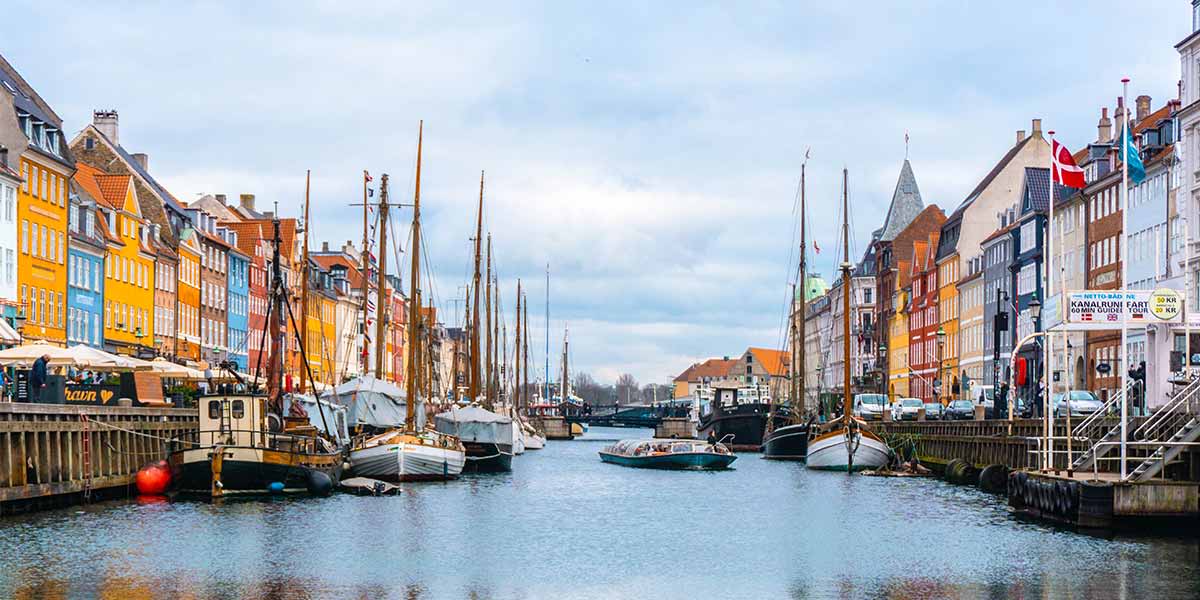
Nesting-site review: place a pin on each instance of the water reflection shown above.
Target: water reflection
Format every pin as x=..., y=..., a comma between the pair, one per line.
x=565, y=525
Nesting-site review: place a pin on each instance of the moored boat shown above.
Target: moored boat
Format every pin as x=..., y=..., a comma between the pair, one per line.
x=847, y=449
x=668, y=454
x=409, y=456
x=744, y=420
x=486, y=436
x=789, y=442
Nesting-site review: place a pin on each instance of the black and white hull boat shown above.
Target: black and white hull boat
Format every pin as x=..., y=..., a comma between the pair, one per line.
x=486, y=436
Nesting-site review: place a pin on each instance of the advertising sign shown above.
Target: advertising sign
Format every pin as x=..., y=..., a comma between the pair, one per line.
x=1102, y=310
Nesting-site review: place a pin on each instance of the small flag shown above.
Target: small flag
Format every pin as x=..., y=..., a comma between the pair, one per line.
x=367, y=176
x=816, y=247
x=1066, y=172
x=1137, y=171
x=370, y=192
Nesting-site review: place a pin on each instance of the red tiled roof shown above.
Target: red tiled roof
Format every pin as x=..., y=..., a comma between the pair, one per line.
x=115, y=188
x=774, y=361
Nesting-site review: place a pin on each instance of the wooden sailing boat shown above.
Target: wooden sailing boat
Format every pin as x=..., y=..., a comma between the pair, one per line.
x=409, y=453
x=486, y=436
x=790, y=442
x=846, y=444
x=244, y=445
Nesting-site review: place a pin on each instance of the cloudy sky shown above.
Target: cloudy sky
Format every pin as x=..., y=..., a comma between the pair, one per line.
x=649, y=152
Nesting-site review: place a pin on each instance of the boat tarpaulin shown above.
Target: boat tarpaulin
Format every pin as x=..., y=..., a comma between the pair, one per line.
x=475, y=424
x=334, y=423
x=373, y=402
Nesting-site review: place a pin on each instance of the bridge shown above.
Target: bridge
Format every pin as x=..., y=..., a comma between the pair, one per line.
x=635, y=416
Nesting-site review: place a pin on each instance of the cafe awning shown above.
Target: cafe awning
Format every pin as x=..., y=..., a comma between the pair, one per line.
x=87, y=357
x=26, y=354
x=8, y=335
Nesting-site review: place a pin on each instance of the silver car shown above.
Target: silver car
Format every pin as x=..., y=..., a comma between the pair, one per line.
x=1082, y=404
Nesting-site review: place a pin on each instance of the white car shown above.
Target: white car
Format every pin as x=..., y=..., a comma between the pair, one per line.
x=905, y=409
x=870, y=407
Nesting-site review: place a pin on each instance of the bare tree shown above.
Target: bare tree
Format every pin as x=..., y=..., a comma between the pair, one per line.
x=627, y=389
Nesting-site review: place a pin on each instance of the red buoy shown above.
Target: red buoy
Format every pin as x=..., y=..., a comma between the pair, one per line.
x=154, y=478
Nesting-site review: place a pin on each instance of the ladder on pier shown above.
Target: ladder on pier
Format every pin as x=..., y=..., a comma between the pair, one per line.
x=86, y=444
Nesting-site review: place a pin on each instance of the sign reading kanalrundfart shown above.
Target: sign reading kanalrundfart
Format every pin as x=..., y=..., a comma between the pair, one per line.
x=1102, y=310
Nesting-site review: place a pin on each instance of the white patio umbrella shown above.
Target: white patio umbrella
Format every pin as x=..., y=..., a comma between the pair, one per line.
x=87, y=357
x=172, y=370
x=26, y=354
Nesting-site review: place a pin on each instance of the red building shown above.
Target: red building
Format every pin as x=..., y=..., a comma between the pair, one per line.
x=923, y=358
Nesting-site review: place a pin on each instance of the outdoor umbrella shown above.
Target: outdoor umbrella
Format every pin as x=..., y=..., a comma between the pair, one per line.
x=27, y=353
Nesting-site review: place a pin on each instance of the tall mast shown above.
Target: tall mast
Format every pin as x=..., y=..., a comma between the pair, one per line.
x=546, y=398
x=517, y=354
x=562, y=385
x=489, y=373
x=414, y=302
x=275, y=322
x=474, y=388
x=848, y=406
x=799, y=336
x=381, y=307
x=467, y=332
x=455, y=347
x=304, y=282
x=495, y=334
x=366, y=251
x=525, y=350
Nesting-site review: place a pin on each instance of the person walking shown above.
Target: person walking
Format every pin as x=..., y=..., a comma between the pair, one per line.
x=37, y=378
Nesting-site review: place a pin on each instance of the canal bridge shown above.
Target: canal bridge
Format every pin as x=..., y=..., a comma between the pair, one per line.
x=649, y=417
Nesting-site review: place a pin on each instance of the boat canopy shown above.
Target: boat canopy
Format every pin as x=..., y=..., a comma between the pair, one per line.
x=475, y=424
x=373, y=402
x=335, y=417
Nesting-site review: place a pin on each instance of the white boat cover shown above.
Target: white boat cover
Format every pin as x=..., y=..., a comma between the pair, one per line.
x=475, y=424
x=373, y=402
x=335, y=417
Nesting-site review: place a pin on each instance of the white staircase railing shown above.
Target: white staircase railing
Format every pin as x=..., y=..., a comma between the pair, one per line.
x=1174, y=424
x=1099, y=427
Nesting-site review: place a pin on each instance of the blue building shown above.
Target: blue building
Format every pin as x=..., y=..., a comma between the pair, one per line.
x=85, y=269
x=238, y=310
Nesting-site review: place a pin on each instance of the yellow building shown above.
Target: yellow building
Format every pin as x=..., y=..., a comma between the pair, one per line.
x=972, y=356
x=128, y=265
x=898, y=365
x=187, y=328
x=948, y=313
x=46, y=168
x=329, y=335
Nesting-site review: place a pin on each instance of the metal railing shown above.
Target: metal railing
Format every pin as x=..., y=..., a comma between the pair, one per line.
x=1098, y=426
x=1173, y=416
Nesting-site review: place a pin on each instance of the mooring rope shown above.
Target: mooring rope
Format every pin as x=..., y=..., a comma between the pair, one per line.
x=146, y=435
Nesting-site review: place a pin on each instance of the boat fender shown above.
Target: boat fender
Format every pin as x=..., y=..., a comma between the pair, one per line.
x=1016, y=489
x=1027, y=491
x=992, y=478
x=275, y=487
x=1047, y=496
x=1063, y=506
x=1072, y=499
x=319, y=483
x=274, y=423
x=154, y=478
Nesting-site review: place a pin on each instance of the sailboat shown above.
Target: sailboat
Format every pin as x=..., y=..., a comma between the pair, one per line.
x=407, y=453
x=486, y=436
x=244, y=444
x=790, y=442
x=846, y=444
x=531, y=439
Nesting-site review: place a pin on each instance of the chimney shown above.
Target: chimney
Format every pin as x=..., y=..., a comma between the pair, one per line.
x=247, y=201
x=324, y=246
x=106, y=122
x=1037, y=129
x=3, y=156
x=1143, y=106
x=142, y=159
x=221, y=198
x=1104, y=127
x=1020, y=135
x=1119, y=113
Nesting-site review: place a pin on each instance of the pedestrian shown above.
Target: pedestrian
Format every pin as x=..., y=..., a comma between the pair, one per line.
x=712, y=437
x=37, y=378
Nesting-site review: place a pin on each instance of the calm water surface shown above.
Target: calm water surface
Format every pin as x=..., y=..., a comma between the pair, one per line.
x=565, y=525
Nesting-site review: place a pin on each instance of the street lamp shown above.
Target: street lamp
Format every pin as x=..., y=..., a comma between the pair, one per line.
x=941, y=343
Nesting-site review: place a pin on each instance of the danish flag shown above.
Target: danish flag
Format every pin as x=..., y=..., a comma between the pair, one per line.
x=1066, y=172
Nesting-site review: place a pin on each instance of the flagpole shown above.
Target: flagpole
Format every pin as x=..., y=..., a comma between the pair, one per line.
x=1048, y=338
x=1125, y=137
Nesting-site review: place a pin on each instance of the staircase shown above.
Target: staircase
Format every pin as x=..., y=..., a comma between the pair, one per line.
x=1104, y=423
x=1178, y=421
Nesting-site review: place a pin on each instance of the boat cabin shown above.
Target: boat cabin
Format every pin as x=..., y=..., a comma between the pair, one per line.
x=656, y=447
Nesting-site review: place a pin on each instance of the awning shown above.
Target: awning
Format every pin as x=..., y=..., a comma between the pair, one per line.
x=8, y=335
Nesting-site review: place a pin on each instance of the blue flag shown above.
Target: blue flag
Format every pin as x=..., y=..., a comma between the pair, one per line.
x=1137, y=171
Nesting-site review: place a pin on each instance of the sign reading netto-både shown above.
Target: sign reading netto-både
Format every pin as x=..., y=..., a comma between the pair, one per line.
x=1102, y=310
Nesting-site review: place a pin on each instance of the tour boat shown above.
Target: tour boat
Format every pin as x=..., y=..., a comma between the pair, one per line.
x=846, y=444
x=238, y=449
x=668, y=454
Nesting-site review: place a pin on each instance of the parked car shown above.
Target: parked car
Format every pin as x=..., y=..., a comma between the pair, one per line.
x=960, y=410
x=905, y=409
x=870, y=407
x=1082, y=404
x=934, y=411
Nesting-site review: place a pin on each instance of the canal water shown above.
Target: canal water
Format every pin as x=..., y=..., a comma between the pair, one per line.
x=565, y=525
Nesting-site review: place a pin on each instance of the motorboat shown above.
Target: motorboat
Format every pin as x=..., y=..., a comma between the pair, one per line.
x=669, y=454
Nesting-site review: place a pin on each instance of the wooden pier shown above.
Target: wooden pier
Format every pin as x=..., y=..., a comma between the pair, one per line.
x=53, y=454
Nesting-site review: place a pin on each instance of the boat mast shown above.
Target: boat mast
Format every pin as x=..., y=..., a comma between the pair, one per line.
x=275, y=364
x=525, y=350
x=563, y=384
x=547, y=383
x=517, y=354
x=847, y=407
x=798, y=337
x=489, y=373
x=366, y=251
x=495, y=334
x=414, y=304
x=304, y=281
x=381, y=304
x=454, y=347
x=474, y=368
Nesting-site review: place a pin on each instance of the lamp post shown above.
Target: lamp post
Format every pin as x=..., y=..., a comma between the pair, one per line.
x=999, y=326
x=941, y=343
x=1035, y=314
x=881, y=366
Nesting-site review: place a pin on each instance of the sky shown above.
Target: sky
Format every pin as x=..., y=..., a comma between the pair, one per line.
x=649, y=153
